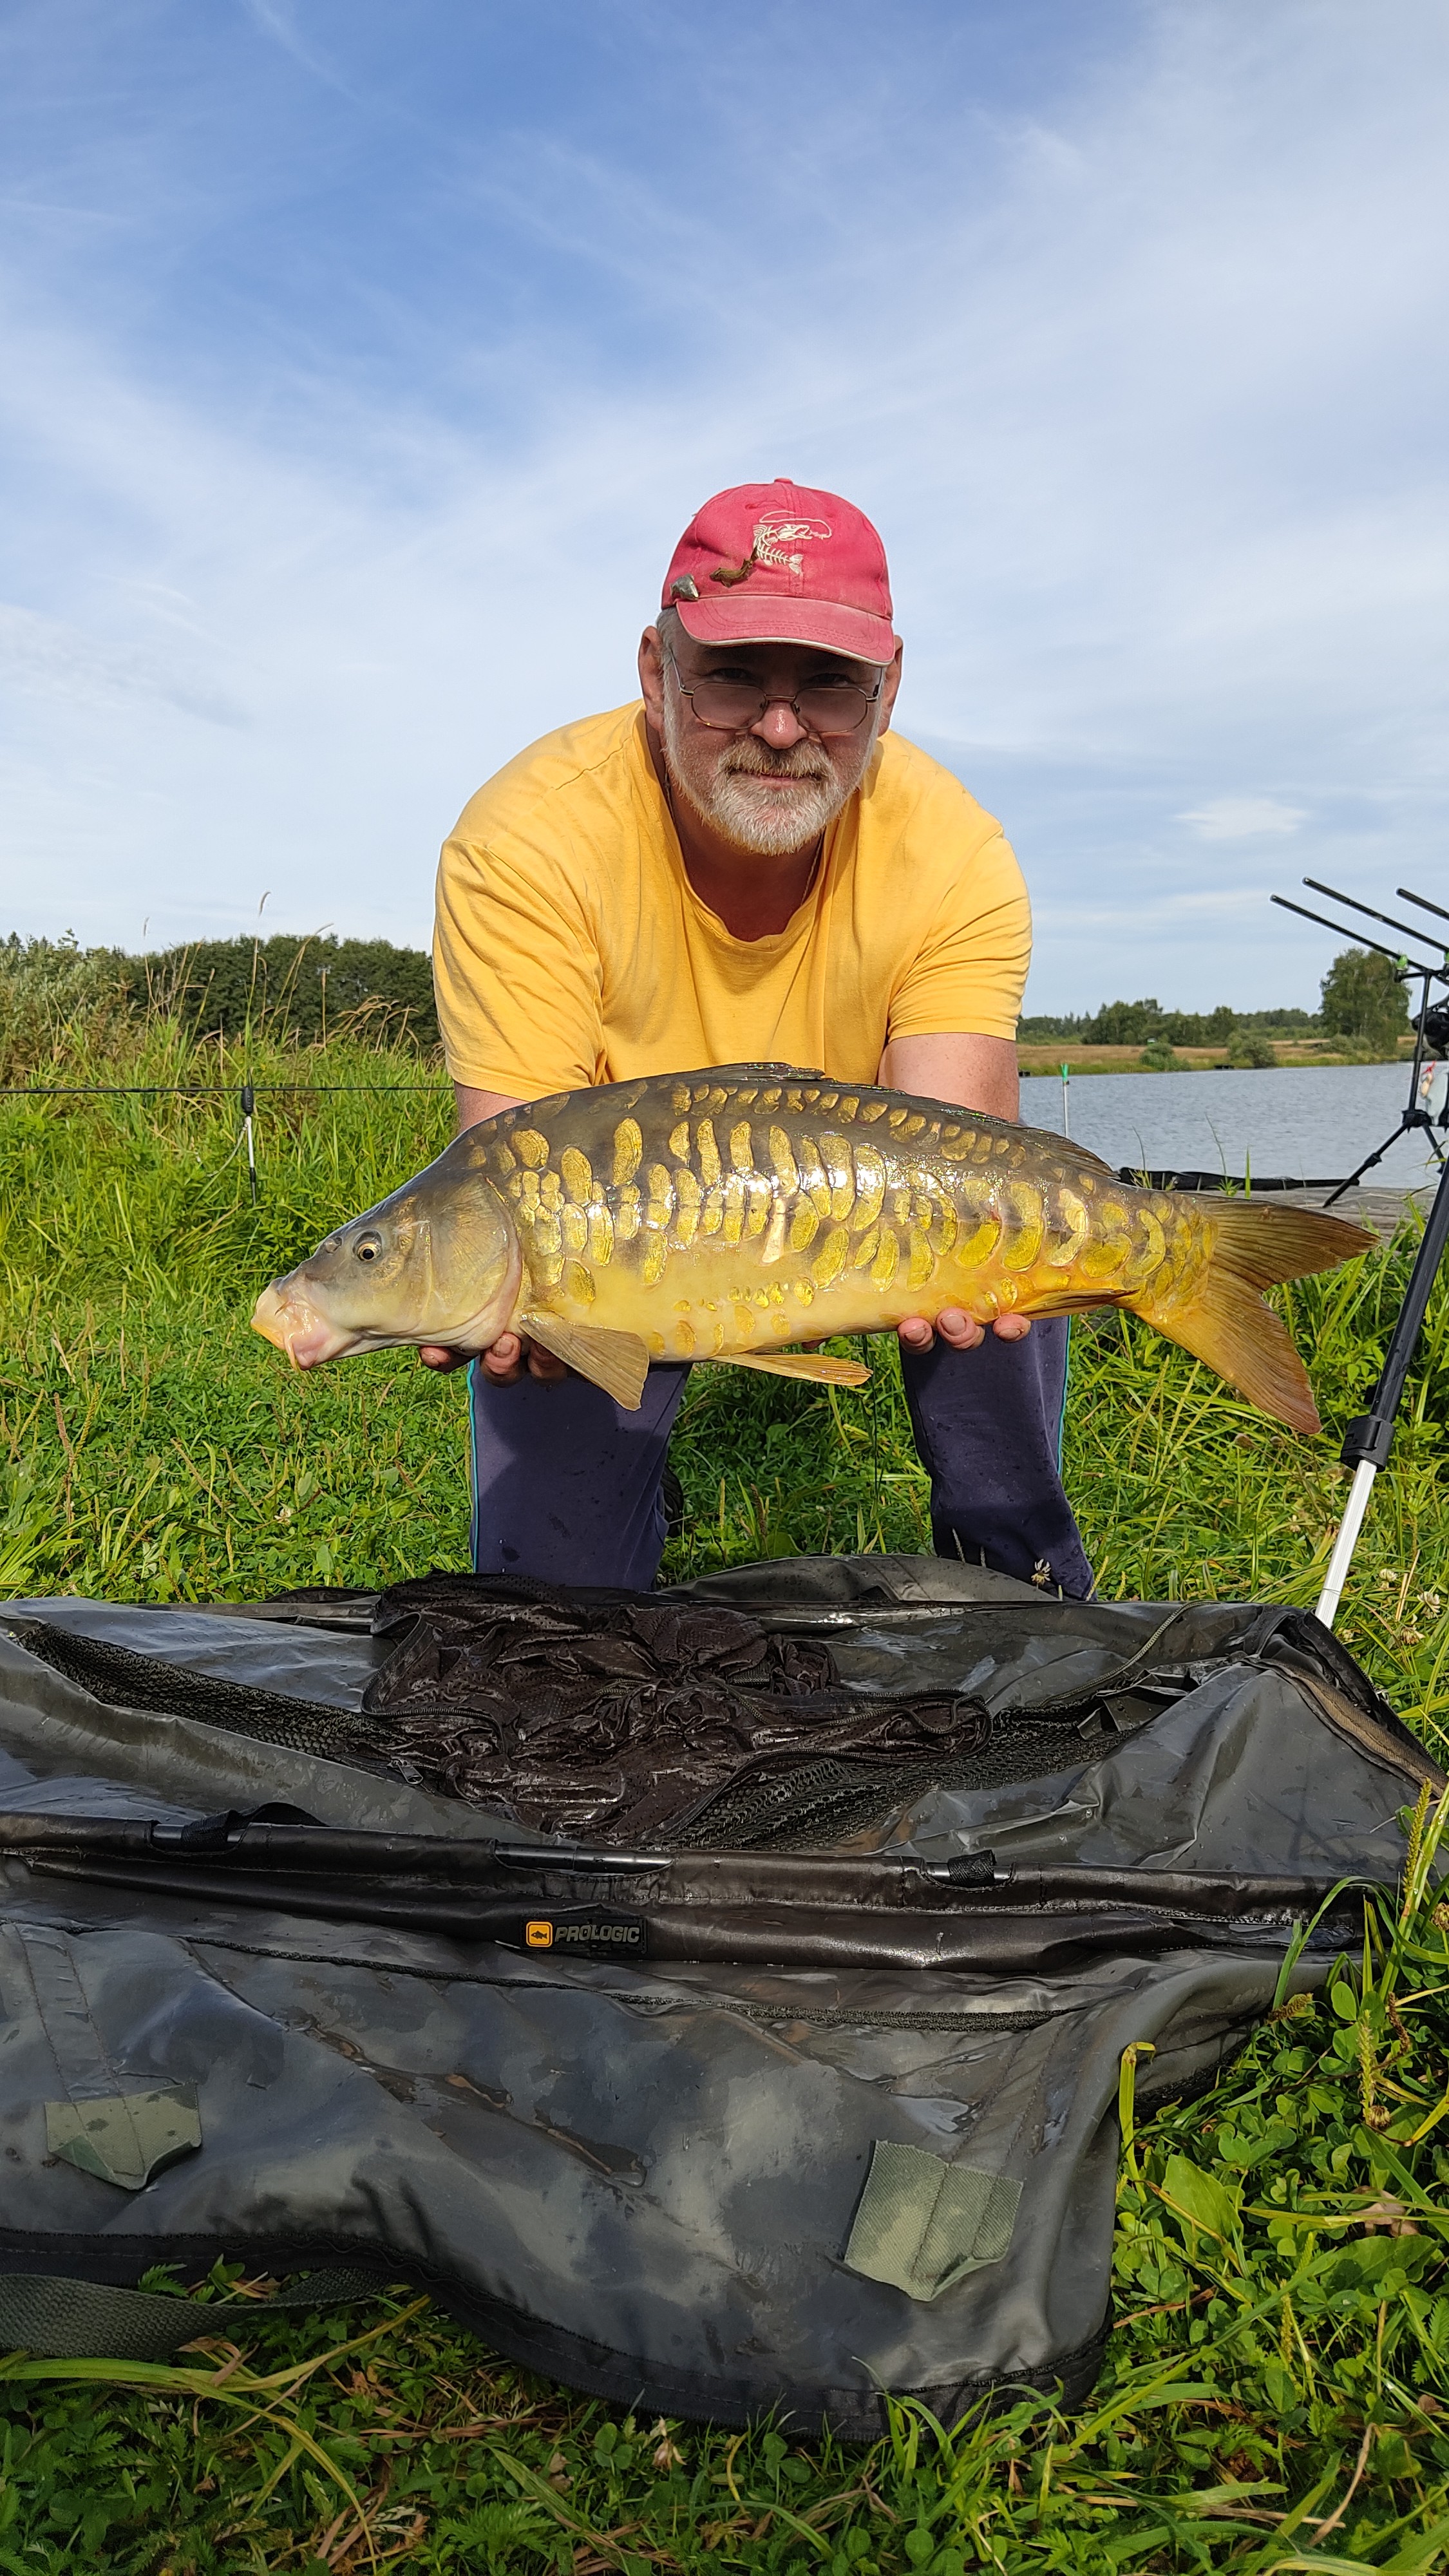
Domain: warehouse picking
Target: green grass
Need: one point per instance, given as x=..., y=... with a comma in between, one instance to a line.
x=1277, y=2390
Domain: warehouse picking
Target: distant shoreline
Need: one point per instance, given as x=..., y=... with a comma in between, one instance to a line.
x=1039, y=1059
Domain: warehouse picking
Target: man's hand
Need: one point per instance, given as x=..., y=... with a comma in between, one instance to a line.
x=980, y=1074
x=961, y=1332
x=508, y=1359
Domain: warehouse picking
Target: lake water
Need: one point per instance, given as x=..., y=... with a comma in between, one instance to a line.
x=1308, y=1122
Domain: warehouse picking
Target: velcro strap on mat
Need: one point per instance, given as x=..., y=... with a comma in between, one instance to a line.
x=922, y=2225
x=64, y=2320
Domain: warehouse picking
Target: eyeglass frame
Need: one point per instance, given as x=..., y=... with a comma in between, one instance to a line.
x=871, y=697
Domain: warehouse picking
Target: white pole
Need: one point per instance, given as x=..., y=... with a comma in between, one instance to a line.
x=249, y=1102
x=1066, y=1103
x=1346, y=1541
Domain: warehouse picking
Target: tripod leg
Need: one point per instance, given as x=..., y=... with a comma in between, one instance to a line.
x=1409, y=1118
x=1367, y=1441
x=1410, y=1121
x=1346, y=1542
x=1405, y=1127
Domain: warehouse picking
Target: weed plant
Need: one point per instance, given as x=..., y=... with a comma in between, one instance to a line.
x=1276, y=2390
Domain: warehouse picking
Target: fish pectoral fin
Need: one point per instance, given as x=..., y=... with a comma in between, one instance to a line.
x=812, y=1364
x=618, y=1362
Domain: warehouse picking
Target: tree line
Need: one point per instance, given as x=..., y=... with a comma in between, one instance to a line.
x=1362, y=1002
x=299, y=988
x=306, y=988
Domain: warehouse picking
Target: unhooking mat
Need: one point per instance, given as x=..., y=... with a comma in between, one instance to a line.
x=717, y=1999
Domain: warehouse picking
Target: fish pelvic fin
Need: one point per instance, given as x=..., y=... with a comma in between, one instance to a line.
x=816, y=1365
x=1225, y=1321
x=618, y=1362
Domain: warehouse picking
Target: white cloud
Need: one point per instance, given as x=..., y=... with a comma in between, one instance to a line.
x=1244, y=818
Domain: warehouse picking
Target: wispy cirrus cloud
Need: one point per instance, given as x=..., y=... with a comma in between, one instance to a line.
x=1244, y=818
x=45, y=654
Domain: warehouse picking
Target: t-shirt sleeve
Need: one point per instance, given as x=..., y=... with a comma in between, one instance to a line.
x=968, y=975
x=516, y=971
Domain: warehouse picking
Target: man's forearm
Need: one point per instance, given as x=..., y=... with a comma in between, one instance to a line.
x=974, y=1073
x=473, y=1105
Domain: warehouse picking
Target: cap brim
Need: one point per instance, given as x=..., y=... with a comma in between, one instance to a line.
x=771, y=620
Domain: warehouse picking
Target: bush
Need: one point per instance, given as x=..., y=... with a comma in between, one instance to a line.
x=1248, y=1052
x=1145, y=1023
x=303, y=988
x=60, y=1001
x=1363, y=1002
x=54, y=995
x=1124, y=1024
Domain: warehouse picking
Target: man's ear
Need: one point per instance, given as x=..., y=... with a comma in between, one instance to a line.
x=890, y=682
x=651, y=680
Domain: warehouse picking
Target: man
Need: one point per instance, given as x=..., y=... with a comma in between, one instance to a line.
x=749, y=865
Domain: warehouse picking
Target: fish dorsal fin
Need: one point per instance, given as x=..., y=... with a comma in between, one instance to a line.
x=618, y=1362
x=759, y=1071
x=817, y=1365
x=1081, y=1155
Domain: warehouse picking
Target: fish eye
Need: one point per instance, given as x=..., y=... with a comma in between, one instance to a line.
x=367, y=1247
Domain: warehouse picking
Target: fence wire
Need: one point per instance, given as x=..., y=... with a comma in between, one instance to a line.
x=245, y=1094
x=196, y=1090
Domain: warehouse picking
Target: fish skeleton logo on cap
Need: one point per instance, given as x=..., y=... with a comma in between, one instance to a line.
x=772, y=536
x=770, y=540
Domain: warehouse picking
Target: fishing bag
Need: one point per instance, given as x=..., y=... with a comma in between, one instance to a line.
x=716, y=1999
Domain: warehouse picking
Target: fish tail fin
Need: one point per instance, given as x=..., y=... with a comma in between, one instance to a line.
x=1225, y=1322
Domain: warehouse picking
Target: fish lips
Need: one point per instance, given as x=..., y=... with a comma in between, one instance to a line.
x=289, y=1321
x=286, y=1317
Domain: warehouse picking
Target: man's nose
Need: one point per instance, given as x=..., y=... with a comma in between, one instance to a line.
x=779, y=726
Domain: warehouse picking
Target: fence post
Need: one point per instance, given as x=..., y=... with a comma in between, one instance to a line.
x=249, y=1103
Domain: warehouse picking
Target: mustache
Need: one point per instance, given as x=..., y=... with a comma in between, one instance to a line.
x=753, y=759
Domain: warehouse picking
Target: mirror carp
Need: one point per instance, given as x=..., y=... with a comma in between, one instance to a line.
x=723, y=1214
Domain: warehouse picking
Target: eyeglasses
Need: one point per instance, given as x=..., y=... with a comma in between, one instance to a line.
x=827, y=708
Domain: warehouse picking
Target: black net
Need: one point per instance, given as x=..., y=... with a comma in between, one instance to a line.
x=125, y=1680
x=615, y=1716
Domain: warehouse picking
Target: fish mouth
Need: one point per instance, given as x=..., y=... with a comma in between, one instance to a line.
x=287, y=1321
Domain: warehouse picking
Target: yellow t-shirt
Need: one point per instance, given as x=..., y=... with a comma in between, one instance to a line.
x=571, y=948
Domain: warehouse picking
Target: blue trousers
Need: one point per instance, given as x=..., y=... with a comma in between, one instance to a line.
x=566, y=1486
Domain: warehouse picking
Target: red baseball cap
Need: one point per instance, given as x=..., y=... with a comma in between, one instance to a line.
x=773, y=563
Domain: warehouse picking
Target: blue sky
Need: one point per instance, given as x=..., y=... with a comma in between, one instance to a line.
x=361, y=359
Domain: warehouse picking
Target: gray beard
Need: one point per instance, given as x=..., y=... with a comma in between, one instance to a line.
x=770, y=827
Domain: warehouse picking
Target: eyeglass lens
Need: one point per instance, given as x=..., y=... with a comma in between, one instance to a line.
x=827, y=707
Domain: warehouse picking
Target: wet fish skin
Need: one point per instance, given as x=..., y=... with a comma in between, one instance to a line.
x=722, y=1214
x=727, y=1212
